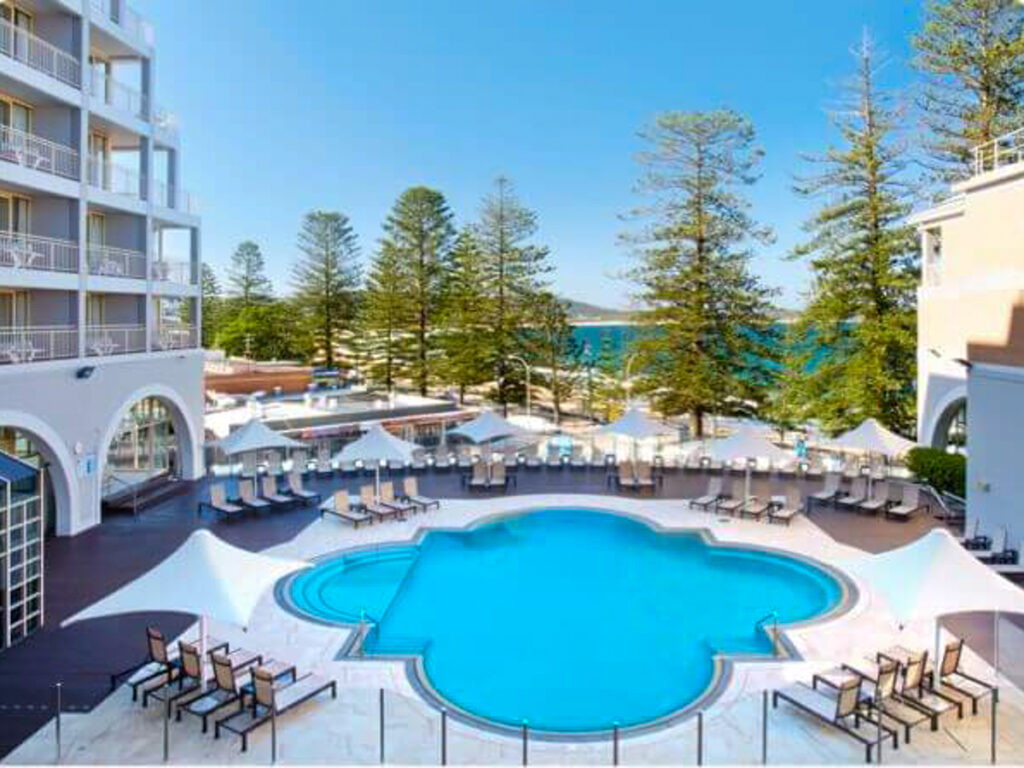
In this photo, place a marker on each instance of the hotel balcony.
(38, 54)
(37, 343)
(107, 340)
(110, 261)
(115, 178)
(123, 98)
(168, 196)
(172, 271)
(119, 13)
(38, 154)
(170, 337)
(32, 252)
(1000, 153)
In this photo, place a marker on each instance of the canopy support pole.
(995, 692)
(937, 661)
(376, 481)
(203, 632)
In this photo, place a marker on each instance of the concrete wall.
(81, 416)
(995, 466)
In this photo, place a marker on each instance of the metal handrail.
(33, 51)
(115, 262)
(133, 487)
(23, 251)
(761, 624)
(38, 154)
(115, 178)
(1001, 151)
(118, 95)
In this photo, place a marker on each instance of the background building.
(100, 371)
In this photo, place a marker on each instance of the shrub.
(943, 471)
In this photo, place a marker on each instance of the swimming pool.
(571, 619)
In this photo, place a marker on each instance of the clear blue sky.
(341, 105)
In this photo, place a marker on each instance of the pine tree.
(972, 55)
(325, 277)
(702, 309)
(863, 259)
(513, 272)
(418, 233)
(247, 278)
(554, 349)
(465, 339)
(385, 318)
(210, 298)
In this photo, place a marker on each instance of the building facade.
(971, 333)
(100, 254)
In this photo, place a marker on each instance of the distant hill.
(581, 310)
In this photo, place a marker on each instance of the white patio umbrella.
(254, 435)
(748, 444)
(488, 427)
(635, 425)
(206, 577)
(378, 445)
(934, 576)
(872, 438)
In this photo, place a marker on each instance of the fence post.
(995, 704)
(273, 735)
(382, 726)
(167, 729)
(526, 737)
(57, 720)
(615, 743)
(700, 738)
(764, 727)
(444, 736)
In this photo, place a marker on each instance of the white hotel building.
(100, 365)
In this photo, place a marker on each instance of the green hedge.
(943, 471)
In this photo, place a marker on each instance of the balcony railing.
(107, 340)
(30, 344)
(170, 271)
(171, 197)
(998, 153)
(114, 178)
(164, 120)
(22, 45)
(46, 254)
(38, 153)
(120, 13)
(107, 261)
(174, 337)
(123, 97)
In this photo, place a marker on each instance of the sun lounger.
(909, 505)
(755, 508)
(161, 662)
(300, 461)
(341, 507)
(828, 494)
(732, 503)
(411, 493)
(793, 506)
(296, 489)
(479, 479)
(953, 679)
(371, 505)
(270, 493)
(974, 540)
(387, 499)
(839, 706)
(247, 495)
(323, 462)
(273, 700)
(858, 494)
(499, 478)
(222, 691)
(644, 476)
(880, 686)
(219, 503)
(626, 480)
(708, 501)
(187, 682)
(250, 467)
(916, 686)
(274, 466)
(878, 500)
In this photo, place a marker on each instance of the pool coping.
(724, 663)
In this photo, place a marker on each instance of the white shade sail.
(871, 437)
(377, 445)
(205, 576)
(254, 435)
(637, 425)
(487, 427)
(746, 443)
(934, 576)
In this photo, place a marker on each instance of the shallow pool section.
(571, 619)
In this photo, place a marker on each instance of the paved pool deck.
(347, 730)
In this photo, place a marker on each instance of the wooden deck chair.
(341, 507)
(387, 498)
(644, 476)
(499, 479)
(479, 479)
(371, 505)
(625, 479)
(411, 493)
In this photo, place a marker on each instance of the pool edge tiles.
(593, 725)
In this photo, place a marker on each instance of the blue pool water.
(569, 618)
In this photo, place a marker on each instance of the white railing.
(164, 120)
(114, 178)
(47, 254)
(171, 271)
(116, 262)
(31, 344)
(38, 153)
(1006, 150)
(106, 340)
(124, 16)
(174, 337)
(170, 197)
(23, 46)
(116, 94)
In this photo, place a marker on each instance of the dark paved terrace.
(82, 569)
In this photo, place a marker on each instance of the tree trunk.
(697, 422)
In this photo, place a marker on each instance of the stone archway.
(61, 466)
(948, 410)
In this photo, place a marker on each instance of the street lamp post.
(526, 365)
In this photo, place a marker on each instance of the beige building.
(971, 331)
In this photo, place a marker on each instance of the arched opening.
(950, 431)
(31, 440)
(150, 444)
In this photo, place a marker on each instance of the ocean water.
(572, 619)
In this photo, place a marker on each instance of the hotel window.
(13, 309)
(933, 256)
(21, 20)
(95, 309)
(14, 115)
(15, 214)
(96, 229)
